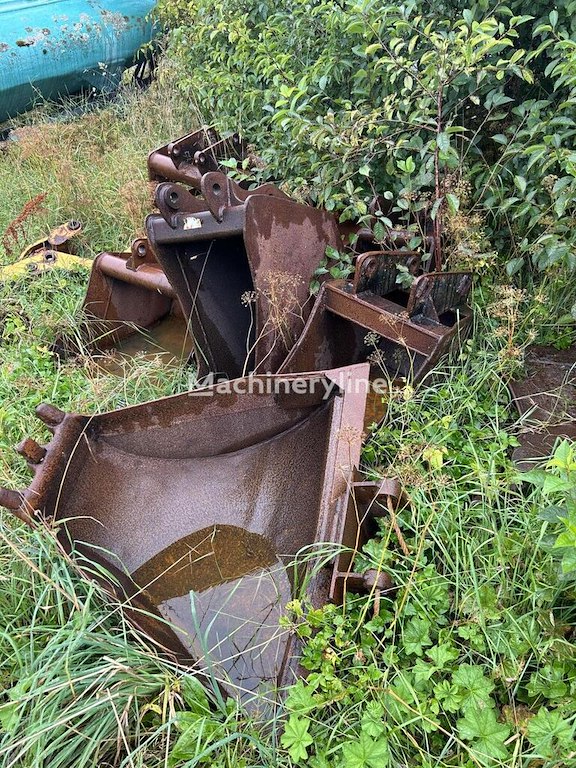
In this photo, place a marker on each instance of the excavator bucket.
(401, 332)
(192, 510)
(130, 307)
(224, 273)
(240, 262)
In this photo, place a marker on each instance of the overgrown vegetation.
(461, 119)
(462, 112)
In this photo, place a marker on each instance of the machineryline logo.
(218, 384)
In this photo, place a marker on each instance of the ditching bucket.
(240, 263)
(131, 307)
(192, 509)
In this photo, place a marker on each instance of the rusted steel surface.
(185, 496)
(366, 501)
(188, 158)
(401, 332)
(546, 398)
(128, 294)
(241, 269)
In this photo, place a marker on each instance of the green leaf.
(194, 695)
(366, 753)
(514, 265)
(474, 687)
(442, 654)
(372, 722)
(423, 671)
(9, 716)
(549, 733)
(416, 636)
(301, 698)
(553, 484)
(447, 694)
(436, 208)
(569, 560)
(197, 732)
(296, 738)
(364, 170)
(379, 231)
(443, 142)
(370, 49)
(453, 202)
(520, 183)
(553, 514)
(553, 16)
(485, 732)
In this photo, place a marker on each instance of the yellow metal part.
(47, 254)
(43, 261)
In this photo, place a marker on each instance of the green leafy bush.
(461, 114)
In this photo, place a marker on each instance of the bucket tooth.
(12, 500)
(50, 415)
(31, 451)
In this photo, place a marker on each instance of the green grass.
(471, 661)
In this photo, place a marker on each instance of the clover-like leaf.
(442, 654)
(365, 752)
(416, 636)
(296, 738)
(448, 695)
(485, 732)
(372, 722)
(549, 733)
(474, 687)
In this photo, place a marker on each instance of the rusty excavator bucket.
(240, 262)
(225, 271)
(401, 332)
(191, 509)
(130, 307)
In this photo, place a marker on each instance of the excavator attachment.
(234, 265)
(195, 510)
(402, 332)
(130, 307)
(240, 263)
(52, 252)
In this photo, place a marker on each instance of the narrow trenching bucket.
(241, 262)
(192, 509)
(130, 306)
